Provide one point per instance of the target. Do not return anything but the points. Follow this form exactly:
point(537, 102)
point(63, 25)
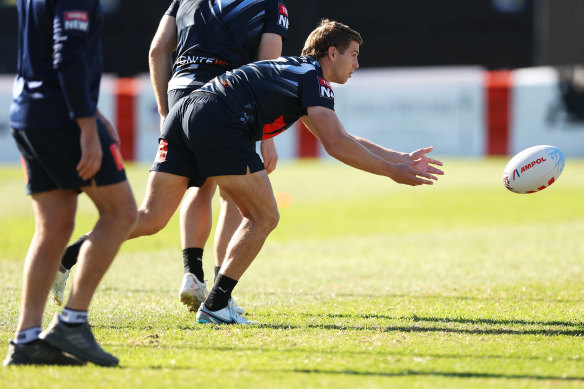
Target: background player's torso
point(218, 35)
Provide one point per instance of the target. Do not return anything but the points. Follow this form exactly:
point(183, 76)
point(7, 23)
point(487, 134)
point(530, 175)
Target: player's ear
point(332, 52)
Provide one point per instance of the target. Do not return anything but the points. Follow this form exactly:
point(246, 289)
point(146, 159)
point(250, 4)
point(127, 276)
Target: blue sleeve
point(316, 91)
point(277, 19)
point(173, 9)
point(71, 42)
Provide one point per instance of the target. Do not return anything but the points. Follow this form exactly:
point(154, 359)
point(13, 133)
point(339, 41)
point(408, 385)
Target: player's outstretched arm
point(422, 161)
point(159, 61)
point(324, 123)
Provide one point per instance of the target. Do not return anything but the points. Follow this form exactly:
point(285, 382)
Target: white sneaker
point(235, 307)
point(192, 292)
point(223, 316)
point(58, 288)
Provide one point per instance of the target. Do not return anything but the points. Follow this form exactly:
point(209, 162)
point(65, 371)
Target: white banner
point(406, 109)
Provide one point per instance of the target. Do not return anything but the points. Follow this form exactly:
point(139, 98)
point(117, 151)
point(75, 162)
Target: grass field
point(364, 284)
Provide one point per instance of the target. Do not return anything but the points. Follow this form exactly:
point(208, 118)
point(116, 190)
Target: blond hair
point(330, 33)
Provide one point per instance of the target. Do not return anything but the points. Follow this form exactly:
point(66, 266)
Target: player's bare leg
point(164, 193)
point(195, 222)
point(69, 330)
point(255, 199)
point(117, 216)
point(54, 222)
point(229, 220)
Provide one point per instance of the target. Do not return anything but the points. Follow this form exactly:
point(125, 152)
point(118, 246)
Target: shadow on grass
point(406, 373)
point(462, 320)
point(474, 331)
point(409, 373)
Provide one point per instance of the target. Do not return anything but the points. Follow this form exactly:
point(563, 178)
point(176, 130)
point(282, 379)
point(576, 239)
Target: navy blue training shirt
point(269, 96)
point(218, 35)
point(59, 62)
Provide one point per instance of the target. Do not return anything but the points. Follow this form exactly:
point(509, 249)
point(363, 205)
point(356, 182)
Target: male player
point(209, 37)
point(212, 134)
point(66, 147)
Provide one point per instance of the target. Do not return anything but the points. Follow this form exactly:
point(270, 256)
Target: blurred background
point(425, 41)
point(497, 34)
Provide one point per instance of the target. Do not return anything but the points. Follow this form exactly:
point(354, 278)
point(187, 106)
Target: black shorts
point(202, 138)
point(50, 158)
point(174, 95)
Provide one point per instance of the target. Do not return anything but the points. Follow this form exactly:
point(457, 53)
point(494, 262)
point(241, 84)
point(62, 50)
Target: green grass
point(364, 284)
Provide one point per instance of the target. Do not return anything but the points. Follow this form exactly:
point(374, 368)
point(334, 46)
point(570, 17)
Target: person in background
point(67, 147)
point(209, 37)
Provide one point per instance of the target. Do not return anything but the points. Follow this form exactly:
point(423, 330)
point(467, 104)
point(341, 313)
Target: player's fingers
point(435, 162)
point(88, 167)
point(419, 174)
point(433, 170)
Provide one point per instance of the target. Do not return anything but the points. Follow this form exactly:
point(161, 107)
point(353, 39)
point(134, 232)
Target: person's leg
point(227, 223)
point(117, 215)
point(69, 331)
point(253, 195)
point(255, 199)
point(164, 193)
point(54, 222)
point(54, 212)
point(195, 226)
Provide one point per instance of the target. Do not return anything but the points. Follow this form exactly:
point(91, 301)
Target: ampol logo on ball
point(533, 169)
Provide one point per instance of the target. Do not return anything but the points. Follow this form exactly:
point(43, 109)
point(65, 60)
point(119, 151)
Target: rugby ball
point(534, 169)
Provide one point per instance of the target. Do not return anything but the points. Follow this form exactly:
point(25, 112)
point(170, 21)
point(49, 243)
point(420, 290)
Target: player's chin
point(344, 80)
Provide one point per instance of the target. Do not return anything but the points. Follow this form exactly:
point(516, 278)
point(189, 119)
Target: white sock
point(71, 316)
point(27, 336)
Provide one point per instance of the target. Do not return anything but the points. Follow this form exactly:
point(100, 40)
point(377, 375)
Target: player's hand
point(269, 154)
point(406, 173)
point(423, 163)
point(91, 153)
point(111, 129)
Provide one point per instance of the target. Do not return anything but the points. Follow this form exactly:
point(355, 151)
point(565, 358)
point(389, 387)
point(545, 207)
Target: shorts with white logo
point(50, 158)
point(202, 138)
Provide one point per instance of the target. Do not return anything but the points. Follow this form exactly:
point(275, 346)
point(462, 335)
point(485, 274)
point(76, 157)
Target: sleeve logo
point(76, 20)
point(325, 89)
point(283, 16)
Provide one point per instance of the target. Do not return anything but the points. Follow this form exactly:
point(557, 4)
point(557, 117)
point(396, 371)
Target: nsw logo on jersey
point(325, 88)
point(283, 16)
point(76, 20)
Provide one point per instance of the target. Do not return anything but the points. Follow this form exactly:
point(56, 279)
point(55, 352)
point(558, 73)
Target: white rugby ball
point(534, 169)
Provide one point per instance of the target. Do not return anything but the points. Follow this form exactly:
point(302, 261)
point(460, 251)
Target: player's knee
point(271, 219)
point(129, 216)
point(149, 223)
point(56, 229)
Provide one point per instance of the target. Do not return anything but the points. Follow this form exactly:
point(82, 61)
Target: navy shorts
point(174, 95)
point(50, 158)
point(202, 138)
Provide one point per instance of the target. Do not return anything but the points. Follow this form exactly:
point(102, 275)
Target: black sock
point(193, 262)
point(217, 268)
point(221, 293)
point(69, 259)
